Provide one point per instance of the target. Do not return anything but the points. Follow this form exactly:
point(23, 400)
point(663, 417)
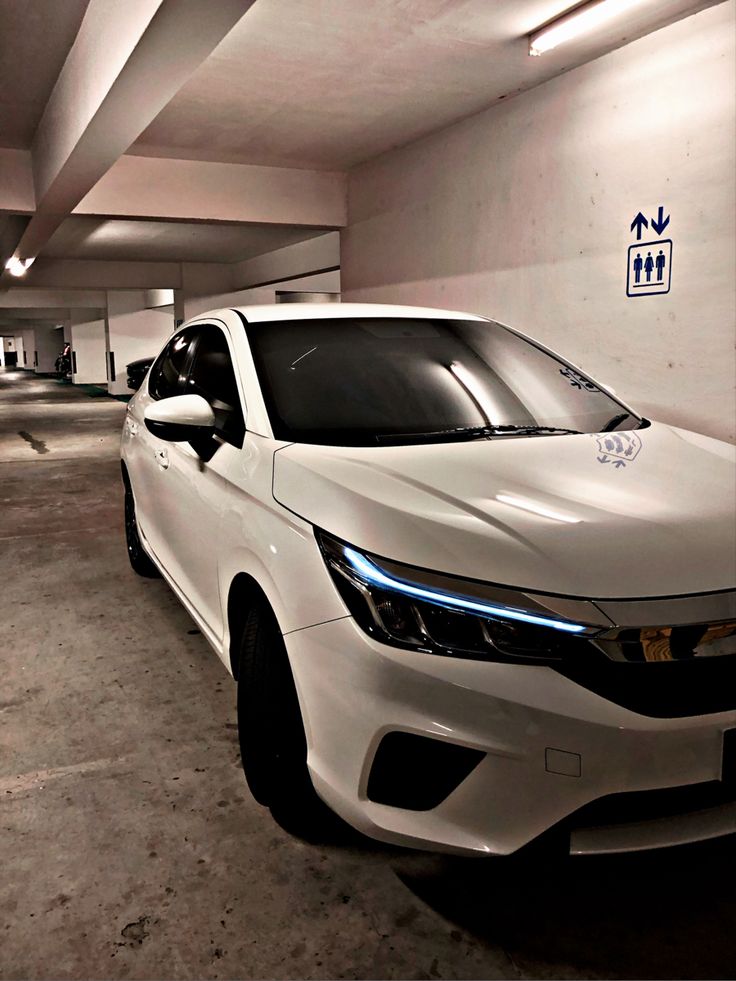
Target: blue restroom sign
point(649, 264)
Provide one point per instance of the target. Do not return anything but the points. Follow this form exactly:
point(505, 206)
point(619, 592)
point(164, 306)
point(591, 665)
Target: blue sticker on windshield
point(618, 448)
point(577, 380)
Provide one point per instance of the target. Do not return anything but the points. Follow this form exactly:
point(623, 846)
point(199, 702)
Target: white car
point(468, 595)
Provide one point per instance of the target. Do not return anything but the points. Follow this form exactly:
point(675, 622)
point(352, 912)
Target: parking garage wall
point(523, 213)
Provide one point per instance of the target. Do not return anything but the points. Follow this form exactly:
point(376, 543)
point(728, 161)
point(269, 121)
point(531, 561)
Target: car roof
point(310, 311)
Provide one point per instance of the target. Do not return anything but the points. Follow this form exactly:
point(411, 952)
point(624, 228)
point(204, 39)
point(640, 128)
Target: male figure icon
point(638, 263)
point(660, 260)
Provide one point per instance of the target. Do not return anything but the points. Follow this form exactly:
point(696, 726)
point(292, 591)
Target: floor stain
point(135, 933)
point(36, 444)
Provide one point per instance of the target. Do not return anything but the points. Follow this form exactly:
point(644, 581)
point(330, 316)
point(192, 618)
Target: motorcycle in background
point(64, 361)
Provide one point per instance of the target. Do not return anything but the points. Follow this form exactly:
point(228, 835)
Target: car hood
point(632, 514)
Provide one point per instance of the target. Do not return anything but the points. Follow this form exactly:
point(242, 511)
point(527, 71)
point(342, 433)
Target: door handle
point(162, 459)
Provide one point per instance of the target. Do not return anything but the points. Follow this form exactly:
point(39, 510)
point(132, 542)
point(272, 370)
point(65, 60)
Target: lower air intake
point(418, 773)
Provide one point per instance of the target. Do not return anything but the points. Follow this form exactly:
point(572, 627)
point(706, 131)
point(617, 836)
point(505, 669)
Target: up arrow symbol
point(638, 223)
point(661, 223)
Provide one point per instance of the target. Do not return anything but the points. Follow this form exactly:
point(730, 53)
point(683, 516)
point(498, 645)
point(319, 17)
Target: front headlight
point(437, 614)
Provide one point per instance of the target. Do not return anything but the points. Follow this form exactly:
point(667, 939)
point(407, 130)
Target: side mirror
point(180, 419)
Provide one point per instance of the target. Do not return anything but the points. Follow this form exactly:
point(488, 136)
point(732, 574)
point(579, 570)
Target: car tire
point(273, 744)
point(139, 561)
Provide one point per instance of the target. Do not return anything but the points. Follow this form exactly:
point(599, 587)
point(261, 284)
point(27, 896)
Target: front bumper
point(531, 723)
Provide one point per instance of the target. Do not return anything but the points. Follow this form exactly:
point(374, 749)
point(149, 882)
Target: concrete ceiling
point(162, 241)
point(35, 38)
point(327, 84)
point(296, 87)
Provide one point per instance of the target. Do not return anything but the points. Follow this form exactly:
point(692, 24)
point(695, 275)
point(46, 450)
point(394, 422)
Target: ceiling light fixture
point(18, 267)
point(579, 20)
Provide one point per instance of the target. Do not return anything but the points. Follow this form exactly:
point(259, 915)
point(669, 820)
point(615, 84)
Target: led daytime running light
point(373, 574)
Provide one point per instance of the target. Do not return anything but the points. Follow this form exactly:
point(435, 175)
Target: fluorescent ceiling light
point(575, 22)
point(18, 267)
point(535, 508)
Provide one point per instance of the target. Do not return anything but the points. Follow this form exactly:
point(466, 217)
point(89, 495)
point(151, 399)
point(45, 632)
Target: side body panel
point(204, 523)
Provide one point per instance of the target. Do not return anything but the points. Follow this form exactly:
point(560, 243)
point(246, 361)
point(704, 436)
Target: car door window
point(212, 376)
point(168, 371)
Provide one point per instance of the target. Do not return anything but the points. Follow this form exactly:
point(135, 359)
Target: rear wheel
point(138, 558)
point(273, 745)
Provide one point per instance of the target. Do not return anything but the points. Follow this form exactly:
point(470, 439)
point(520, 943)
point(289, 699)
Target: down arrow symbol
point(661, 223)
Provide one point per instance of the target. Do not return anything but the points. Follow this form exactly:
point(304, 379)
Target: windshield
point(382, 380)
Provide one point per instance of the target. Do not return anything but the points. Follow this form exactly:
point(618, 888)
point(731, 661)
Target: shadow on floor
point(662, 914)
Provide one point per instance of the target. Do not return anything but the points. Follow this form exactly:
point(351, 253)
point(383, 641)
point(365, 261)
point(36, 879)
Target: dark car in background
point(137, 372)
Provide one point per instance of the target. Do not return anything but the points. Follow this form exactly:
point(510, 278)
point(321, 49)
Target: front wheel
point(273, 745)
point(138, 558)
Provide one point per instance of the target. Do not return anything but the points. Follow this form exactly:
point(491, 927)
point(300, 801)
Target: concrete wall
point(311, 257)
point(302, 266)
point(523, 213)
point(328, 282)
point(134, 332)
point(88, 346)
point(195, 305)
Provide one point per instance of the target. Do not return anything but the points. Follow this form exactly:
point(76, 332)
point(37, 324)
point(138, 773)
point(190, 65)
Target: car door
point(147, 455)
point(195, 480)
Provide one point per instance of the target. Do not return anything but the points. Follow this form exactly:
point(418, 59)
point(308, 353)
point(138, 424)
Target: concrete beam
point(37, 299)
point(102, 274)
point(125, 65)
point(193, 190)
point(51, 314)
point(316, 255)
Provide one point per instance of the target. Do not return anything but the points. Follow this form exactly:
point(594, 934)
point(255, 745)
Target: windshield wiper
point(468, 432)
point(616, 421)
point(471, 432)
point(533, 430)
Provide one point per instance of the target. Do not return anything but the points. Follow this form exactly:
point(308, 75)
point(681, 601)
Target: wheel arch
point(244, 593)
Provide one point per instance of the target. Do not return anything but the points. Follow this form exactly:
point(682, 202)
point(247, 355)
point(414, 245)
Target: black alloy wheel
point(273, 744)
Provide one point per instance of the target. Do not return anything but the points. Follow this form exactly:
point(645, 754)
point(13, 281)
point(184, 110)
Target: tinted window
point(213, 377)
point(369, 381)
point(168, 370)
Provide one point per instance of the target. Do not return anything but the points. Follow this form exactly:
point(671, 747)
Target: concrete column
point(88, 350)
point(179, 315)
point(133, 332)
point(20, 348)
point(25, 342)
point(48, 344)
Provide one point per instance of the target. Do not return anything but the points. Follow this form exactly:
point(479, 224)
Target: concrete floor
point(130, 847)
